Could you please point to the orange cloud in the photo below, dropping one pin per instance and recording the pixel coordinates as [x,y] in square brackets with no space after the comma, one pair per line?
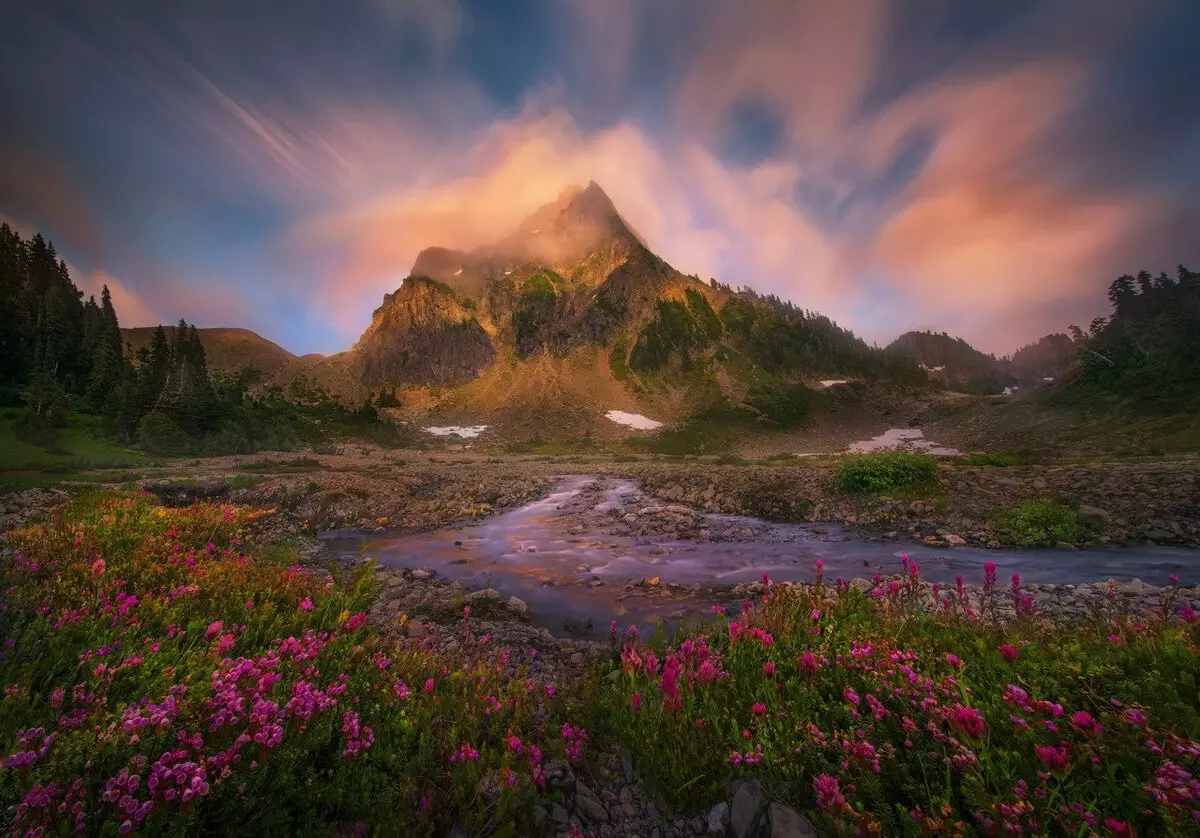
[983,227]
[525,162]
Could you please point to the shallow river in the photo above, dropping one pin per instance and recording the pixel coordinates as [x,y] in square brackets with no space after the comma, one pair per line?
[554,554]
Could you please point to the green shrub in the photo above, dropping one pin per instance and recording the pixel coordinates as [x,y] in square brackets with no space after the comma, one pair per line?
[158,434]
[781,402]
[881,472]
[1038,522]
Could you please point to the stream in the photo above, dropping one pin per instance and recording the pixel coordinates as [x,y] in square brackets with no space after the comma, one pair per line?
[560,555]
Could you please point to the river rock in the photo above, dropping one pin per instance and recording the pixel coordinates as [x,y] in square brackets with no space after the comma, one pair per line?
[955,540]
[718,818]
[1094,512]
[517,606]
[579,624]
[786,822]
[744,811]
[587,803]
[421,573]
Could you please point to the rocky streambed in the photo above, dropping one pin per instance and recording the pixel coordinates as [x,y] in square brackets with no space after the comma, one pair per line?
[597,549]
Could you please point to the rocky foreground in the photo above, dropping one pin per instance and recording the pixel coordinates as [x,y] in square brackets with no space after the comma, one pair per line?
[370,489]
[431,611]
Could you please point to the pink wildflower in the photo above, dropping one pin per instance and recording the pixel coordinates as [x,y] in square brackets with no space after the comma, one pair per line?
[305,604]
[829,793]
[1009,652]
[968,721]
[758,708]
[769,669]
[98,567]
[1085,723]
[1054,758]
[1187,613]
[1135,716]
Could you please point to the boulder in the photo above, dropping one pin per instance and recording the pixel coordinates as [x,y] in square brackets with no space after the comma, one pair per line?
[786,822]
[744,812]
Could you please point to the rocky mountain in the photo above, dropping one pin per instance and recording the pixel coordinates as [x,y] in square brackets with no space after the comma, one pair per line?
[575,293]
[953,362]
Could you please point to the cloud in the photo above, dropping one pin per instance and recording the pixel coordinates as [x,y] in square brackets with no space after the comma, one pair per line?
[929,163]
[698,214]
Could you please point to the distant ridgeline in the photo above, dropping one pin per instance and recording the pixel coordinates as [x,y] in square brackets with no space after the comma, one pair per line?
[1149,347]
[60,353]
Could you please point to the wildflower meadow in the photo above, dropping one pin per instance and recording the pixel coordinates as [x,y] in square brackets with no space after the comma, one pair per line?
[162,675]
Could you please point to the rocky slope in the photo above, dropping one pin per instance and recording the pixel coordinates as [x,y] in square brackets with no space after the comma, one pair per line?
[575,282]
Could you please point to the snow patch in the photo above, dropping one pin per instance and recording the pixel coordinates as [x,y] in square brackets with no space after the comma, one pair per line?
[902,439]
[538,230]
[1048,378]
[506,273]
[468,432]
[833,382]
[633,420]
[933,369]
[1008,391]
[456,273]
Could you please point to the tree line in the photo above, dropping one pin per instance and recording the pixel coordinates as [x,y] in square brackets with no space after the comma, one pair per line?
[1148,347]
[61,353]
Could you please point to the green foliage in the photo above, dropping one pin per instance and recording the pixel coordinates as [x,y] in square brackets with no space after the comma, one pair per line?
[675,333]
[884,471]
[709,432]
[1147,350]
[159,434]
[783,339]
[861,708]
[534,313]
[960,365]
[1041,522]
[783,403]
[618,360]
[706,319]
[136,630]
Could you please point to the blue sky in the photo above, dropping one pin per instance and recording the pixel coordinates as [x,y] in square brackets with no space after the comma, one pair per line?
[981,168]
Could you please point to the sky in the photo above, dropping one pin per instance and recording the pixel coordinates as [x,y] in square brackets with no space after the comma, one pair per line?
[982,168]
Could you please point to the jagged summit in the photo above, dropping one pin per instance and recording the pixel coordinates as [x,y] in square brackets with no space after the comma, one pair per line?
[581,225]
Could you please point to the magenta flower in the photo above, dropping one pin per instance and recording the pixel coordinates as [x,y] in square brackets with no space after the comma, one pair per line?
[429,686]
[635,701]
[989,574]
[829,793]
[968,721]
[214,629]
[98,567]
[1087,724]
[1135,716]
[305,604]
[758,708]
[1009,652]
[769,669]
[809,663]
[1187,613]
[1054,758]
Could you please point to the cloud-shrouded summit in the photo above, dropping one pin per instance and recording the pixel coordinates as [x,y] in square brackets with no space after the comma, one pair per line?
[983,168]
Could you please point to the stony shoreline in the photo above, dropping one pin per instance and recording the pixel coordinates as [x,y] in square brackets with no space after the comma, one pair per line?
[422,607]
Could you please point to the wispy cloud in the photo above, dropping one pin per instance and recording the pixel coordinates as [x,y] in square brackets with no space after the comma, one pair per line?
[948,158]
